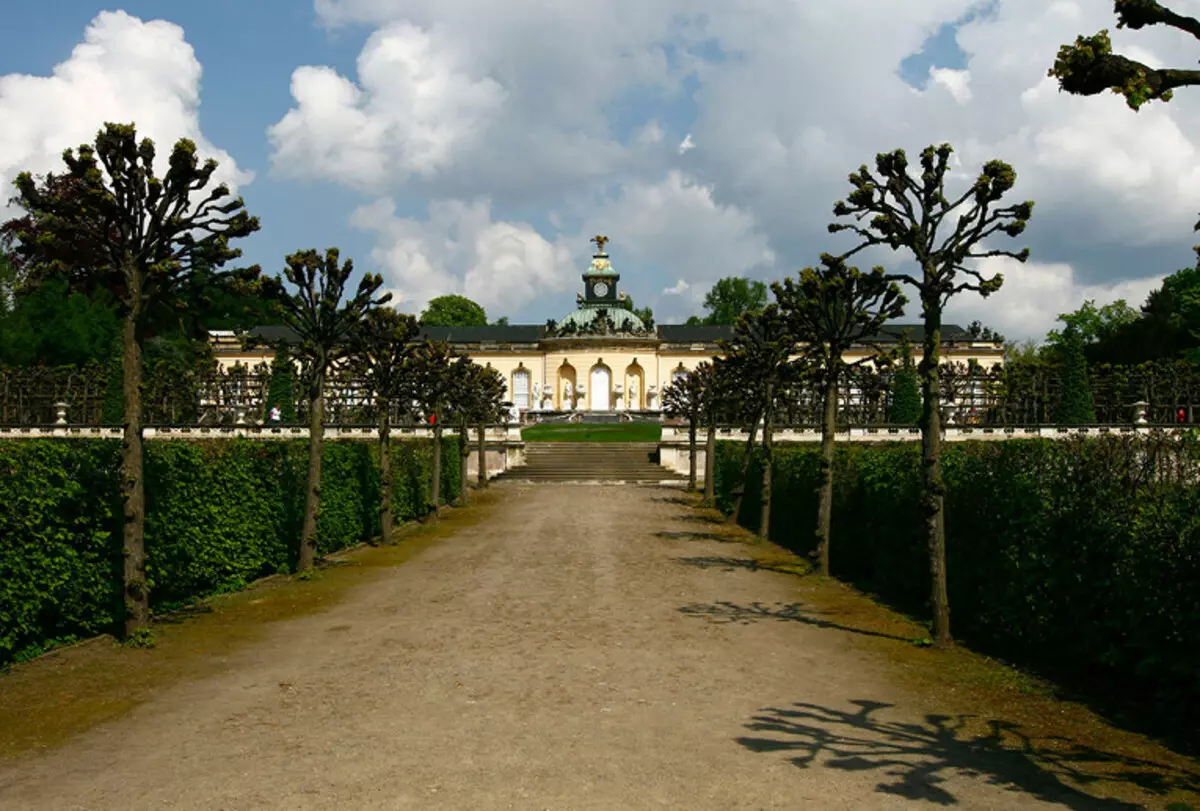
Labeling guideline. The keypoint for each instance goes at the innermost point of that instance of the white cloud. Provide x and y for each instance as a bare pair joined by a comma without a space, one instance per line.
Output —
1034,295
678,289
125,70
958,82
460,249
781,130
676,225
417,108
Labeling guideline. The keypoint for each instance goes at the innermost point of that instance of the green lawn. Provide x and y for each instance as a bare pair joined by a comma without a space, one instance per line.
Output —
583,432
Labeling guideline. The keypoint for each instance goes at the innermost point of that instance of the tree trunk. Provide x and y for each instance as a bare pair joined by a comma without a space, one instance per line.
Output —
464,453
710,464
746,456
933,487
482,453
133,481
312,496
764,524
435,486
691,454
825,505
385,473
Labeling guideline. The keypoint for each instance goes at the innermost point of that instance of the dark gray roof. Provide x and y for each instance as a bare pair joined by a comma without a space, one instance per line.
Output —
694,334
916,333
273,334
508,334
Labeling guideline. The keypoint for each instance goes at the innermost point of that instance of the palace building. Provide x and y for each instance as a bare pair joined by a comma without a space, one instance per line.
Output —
601,357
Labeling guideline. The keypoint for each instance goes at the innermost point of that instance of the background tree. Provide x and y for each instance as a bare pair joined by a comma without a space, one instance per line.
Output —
905,407
1075,406
281,387
759,351
380,349
718,407
686,399
434,374
453,311
478,401
910,213
156,245
729,298
1094,323
1089,66
976,331
324,327
830,310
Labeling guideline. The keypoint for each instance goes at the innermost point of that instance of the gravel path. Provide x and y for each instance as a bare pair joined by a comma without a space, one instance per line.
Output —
541,660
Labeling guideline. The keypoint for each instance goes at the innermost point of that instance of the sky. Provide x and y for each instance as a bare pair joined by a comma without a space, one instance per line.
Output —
474,147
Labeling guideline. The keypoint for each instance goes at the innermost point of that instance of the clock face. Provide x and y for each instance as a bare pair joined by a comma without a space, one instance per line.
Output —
600,289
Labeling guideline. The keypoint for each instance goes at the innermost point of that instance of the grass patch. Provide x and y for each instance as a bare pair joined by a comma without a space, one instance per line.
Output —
46,701
585,432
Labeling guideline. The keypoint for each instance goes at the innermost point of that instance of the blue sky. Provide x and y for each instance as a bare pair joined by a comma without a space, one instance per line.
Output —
480,146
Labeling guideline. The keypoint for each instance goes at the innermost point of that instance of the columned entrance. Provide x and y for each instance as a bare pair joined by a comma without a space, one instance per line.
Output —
601,387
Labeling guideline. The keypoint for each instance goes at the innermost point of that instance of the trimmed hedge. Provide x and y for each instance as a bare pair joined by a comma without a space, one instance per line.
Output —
1080,554
219,515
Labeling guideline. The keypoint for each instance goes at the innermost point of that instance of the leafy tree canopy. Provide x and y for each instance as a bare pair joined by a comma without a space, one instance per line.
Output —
730,298
453,311
1095,323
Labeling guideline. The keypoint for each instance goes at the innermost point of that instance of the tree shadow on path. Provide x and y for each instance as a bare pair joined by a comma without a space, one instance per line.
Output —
749,564
917,759
723,612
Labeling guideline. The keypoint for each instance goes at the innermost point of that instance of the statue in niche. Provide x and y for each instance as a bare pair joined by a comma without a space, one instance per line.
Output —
568,396
618,399
537,397
633,393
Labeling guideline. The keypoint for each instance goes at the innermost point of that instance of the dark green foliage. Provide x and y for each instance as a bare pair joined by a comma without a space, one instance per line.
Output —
905,407
1075,406
220,514
48,324
281,389
1078,555
453,311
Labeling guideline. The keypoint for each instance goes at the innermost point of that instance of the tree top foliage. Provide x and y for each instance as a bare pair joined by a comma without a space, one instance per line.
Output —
1089,66
835,306
907,212
454,311
730,298
111,223
324,324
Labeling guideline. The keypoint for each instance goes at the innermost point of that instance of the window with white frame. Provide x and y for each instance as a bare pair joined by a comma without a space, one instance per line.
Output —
521,388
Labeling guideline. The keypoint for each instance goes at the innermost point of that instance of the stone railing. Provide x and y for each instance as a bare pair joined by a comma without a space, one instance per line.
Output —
505,448
673,447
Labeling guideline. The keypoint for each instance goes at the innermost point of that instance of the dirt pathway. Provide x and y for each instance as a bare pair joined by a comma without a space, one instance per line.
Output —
584,648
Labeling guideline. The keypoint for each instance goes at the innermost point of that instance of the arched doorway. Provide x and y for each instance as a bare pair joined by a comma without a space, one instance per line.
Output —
635,386
600,388
564,394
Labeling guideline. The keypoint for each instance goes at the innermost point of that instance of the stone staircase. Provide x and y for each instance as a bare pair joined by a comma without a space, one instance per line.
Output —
609,462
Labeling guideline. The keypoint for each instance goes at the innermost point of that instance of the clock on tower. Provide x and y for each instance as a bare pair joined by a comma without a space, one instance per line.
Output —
600,280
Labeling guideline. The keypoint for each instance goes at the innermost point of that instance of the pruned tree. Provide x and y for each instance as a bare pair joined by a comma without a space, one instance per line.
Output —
913,214
434,371
830,310
1089,66
1075,406
157,245
760,352
380,349
478,401
905,405
687,399
281,388
323,322
718,408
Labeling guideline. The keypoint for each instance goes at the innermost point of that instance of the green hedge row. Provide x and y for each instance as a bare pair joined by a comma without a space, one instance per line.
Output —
1079,554
219,514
